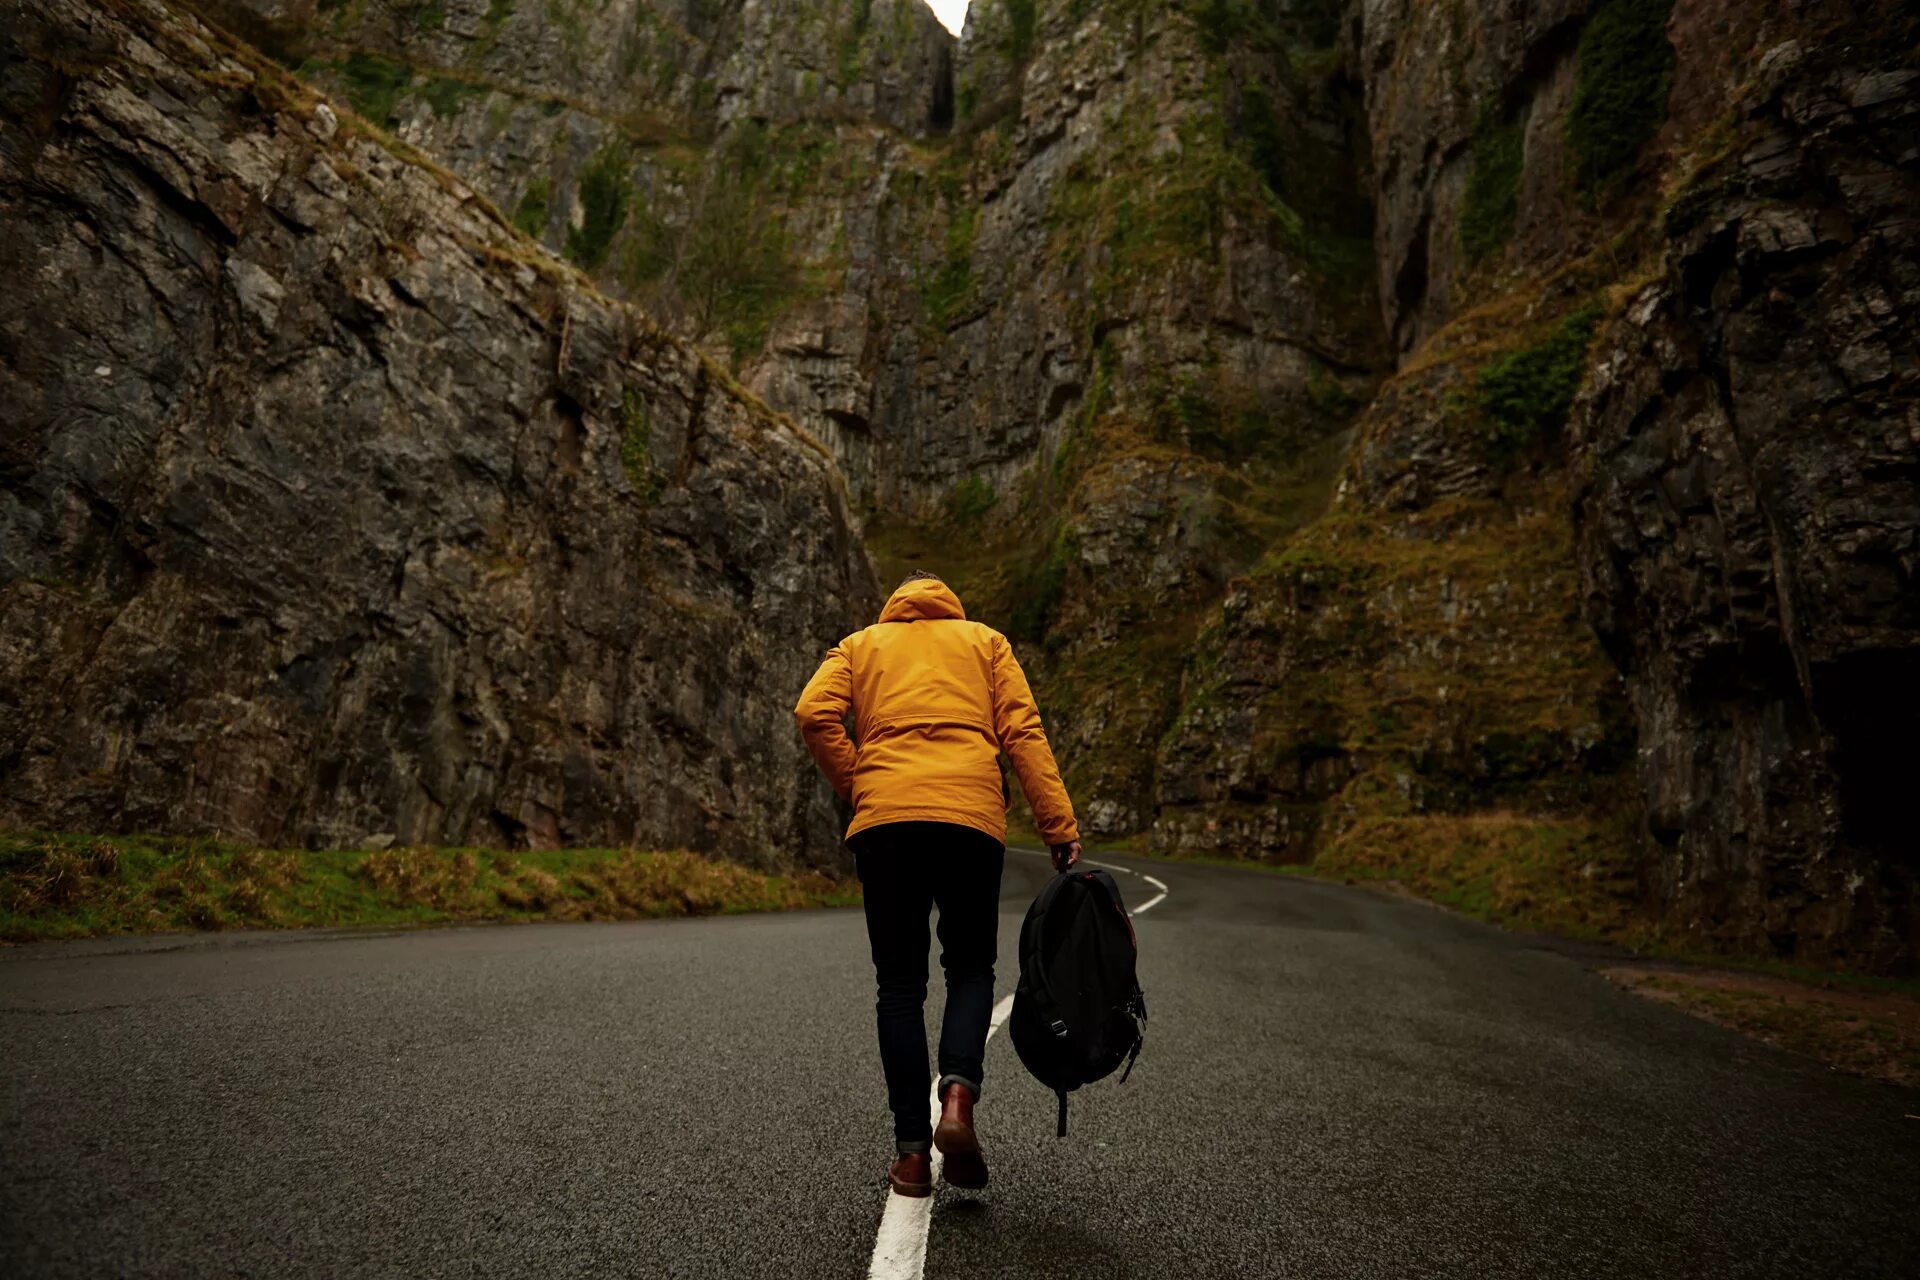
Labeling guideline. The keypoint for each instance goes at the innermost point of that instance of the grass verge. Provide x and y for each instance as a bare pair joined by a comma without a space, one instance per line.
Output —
74,886
1866,1032
1572,877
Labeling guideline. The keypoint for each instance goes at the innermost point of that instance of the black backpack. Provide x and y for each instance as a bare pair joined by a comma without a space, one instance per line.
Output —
1078,1011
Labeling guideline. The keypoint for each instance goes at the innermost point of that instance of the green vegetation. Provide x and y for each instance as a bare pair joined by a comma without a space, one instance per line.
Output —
853,40
970,499
373,84
1623,71
636,447
952,285
1133,212
724,264
376,85
1022,20
1010,572
1378,664
605,187
530,215
1329,394
1214,415
732,270
498,11
69,886
1493,187
1572,876
1526,395
1230,24
1132,215
569,17
1258,128
1037,588
648,252
444,94
1097,399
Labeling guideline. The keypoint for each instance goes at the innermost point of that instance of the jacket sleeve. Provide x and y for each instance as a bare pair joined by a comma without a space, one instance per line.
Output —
1017,723
821,711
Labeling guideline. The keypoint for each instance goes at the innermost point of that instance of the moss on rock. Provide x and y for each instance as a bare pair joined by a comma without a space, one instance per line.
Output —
1493,187
530,215
1623,72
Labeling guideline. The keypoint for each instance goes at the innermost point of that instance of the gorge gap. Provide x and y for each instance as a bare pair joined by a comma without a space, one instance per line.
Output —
1398,435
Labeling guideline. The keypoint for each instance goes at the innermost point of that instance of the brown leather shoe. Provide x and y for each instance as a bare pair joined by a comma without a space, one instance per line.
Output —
954,1136
912,1174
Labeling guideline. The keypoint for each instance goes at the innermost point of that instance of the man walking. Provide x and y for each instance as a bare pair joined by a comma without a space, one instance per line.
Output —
935,700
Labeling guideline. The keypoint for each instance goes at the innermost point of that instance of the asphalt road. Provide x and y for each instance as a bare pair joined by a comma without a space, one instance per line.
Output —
1335,1084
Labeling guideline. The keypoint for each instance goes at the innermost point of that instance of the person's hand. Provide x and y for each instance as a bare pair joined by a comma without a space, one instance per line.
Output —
1065,855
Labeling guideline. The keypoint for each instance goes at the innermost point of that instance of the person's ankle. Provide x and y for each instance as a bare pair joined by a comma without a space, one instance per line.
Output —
949,1080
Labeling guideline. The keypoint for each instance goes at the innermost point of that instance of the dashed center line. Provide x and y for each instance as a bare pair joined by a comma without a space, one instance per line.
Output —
900,1247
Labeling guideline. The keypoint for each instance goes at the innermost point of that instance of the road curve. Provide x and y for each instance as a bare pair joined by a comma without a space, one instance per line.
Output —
1335,1083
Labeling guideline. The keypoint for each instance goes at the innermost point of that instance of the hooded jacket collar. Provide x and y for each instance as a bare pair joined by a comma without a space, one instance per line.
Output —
922,599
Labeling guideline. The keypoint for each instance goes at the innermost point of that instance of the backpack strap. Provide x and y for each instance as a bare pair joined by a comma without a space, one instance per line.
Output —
1137,1006
1033,974
1061,1132
1131,1055
1106,882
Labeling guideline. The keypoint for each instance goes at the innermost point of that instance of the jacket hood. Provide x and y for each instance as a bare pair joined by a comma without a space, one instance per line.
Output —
921,599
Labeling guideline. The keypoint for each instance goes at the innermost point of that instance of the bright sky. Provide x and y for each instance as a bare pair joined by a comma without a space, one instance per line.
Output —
950,12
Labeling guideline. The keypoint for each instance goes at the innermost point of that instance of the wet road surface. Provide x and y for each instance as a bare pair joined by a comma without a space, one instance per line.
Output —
1335,1083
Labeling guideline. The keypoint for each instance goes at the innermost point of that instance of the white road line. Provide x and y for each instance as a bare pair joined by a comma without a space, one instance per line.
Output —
1155,900
900,1247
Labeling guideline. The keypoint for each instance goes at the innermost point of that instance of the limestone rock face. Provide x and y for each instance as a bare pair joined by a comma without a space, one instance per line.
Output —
329,507
630,61
1378,423
1726,516
1750,520
1436,75
1419,651
1175,339
888,62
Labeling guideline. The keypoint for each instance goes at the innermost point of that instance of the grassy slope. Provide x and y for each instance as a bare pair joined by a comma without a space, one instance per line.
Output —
68,886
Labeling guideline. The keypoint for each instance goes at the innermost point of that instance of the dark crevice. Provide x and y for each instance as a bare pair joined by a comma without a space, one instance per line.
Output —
1543,56
1410,285
940,113
1870,701
696,412
572,431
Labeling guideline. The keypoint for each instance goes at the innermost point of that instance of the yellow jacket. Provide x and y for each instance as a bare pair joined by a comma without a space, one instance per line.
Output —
935,699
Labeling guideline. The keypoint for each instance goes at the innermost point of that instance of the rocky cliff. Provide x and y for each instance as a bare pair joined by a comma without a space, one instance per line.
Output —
1418,438
1646,270
333,509
1749,510
1058,294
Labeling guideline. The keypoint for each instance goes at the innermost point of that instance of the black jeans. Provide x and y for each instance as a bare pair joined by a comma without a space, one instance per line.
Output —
906,868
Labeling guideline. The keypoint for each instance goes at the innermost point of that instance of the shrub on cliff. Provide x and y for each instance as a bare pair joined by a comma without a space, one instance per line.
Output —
1526,395
604,189
1623,72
